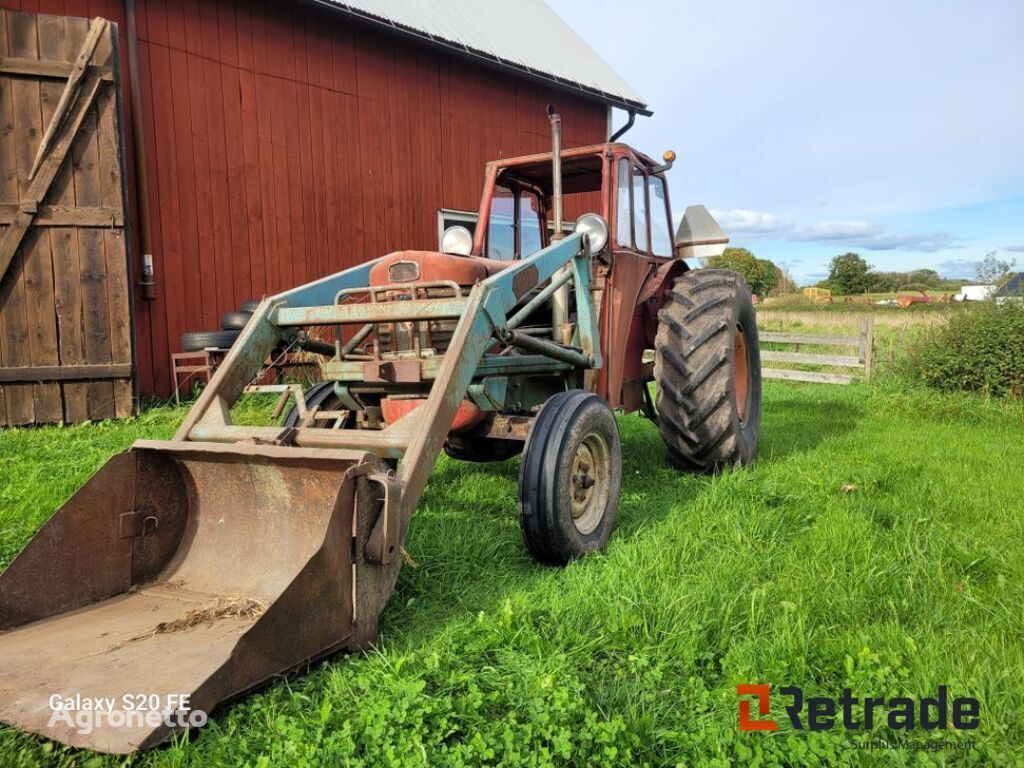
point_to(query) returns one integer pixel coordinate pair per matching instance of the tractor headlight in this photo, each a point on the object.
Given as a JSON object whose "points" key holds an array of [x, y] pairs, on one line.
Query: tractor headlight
{"points": [[595, 228], [457, 240]]}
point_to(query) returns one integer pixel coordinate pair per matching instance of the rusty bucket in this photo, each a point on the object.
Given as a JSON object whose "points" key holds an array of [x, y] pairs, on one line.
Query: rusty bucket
{"points": [[181, 576]]}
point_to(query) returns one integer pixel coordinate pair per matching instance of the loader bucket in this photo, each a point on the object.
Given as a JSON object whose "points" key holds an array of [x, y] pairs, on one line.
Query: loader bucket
{"points": [[185, 570]]}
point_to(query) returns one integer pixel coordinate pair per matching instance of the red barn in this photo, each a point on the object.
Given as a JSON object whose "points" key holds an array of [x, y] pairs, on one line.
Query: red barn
{"points": [[288, 140]]}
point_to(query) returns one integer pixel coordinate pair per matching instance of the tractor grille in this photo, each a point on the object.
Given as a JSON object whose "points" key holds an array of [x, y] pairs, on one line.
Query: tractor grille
{"points": [[436, 335], [433, 335]]}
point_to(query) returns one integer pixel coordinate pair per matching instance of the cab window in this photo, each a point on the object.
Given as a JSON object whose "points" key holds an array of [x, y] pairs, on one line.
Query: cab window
{"points": [[661, 234], [514, 226], [640, 209], [529, 232], [501, 227], [623, 206]]}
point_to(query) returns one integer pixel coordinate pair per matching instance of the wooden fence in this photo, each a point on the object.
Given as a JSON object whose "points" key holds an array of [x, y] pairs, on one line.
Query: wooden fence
{"points": [[862, 360]]}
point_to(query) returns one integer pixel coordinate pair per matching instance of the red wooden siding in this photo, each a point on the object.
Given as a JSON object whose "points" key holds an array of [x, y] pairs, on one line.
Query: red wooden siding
{"points": [[286, 142]]}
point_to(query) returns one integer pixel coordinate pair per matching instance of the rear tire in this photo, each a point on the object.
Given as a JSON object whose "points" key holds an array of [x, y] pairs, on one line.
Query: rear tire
{"points": [[707, 365], [320, 396], [570, 478], [481, 449]]}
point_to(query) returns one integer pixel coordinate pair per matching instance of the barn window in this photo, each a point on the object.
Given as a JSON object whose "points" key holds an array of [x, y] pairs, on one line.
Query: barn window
{"points": [[449, 217]]}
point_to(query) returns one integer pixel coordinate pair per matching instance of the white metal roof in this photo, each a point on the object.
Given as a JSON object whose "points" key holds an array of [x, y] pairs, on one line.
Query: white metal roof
{"points": [[521, 35]]}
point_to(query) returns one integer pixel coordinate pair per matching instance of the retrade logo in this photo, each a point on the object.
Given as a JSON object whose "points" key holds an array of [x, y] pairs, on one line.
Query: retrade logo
{"points": [[821, 713], [763, 707]]}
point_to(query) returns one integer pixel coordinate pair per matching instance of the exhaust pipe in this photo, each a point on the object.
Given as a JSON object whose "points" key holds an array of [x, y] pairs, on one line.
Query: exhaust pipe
{"points": [[556, 167], [560, 299]]}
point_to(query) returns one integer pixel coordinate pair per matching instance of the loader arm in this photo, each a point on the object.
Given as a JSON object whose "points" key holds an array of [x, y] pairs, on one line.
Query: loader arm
{"points": [[417, 439], [486, 316]]}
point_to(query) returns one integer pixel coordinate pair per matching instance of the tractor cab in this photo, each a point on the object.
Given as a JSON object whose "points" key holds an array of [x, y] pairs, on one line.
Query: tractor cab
{"points": [[619, 198], [624, 187]]}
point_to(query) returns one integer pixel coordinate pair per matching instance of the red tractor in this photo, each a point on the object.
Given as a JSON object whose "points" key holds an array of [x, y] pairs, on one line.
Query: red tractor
{"points": [[285, 539]]}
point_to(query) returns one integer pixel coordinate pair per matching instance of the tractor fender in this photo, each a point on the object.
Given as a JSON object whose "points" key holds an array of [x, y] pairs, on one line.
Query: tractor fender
{"points": [[652, 296], [661, 279]]}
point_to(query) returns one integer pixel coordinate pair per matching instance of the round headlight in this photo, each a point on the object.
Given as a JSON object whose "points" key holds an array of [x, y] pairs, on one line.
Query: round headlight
{"points": [[457, 240], [595, 228]]}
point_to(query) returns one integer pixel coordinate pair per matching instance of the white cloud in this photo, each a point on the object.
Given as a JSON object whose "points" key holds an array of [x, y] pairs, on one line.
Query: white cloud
{"points": [[829, 231], [741, 221], [925, 243], [864, 234]]}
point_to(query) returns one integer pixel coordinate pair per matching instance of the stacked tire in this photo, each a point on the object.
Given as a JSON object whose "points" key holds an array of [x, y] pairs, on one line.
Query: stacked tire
{"points": [[231, 325]]}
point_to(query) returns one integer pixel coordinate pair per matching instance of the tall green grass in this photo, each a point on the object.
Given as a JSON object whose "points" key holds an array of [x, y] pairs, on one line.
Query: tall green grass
{"points": [[911, 579]]}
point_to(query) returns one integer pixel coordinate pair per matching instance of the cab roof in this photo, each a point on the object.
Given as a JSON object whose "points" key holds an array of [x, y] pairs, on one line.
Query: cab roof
{"points": [[578, 163]]}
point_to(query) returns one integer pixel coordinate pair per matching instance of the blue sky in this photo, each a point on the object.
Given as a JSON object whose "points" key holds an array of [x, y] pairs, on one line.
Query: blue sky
{"points": [[894, 129]]}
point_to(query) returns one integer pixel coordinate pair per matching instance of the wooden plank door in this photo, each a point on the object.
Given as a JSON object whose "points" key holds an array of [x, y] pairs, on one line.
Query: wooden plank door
{"points": [[66, 352]]}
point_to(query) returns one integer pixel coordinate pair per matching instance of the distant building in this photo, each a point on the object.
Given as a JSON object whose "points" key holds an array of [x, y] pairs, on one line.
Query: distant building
{"points": [[1012, 289], [975, 293]]}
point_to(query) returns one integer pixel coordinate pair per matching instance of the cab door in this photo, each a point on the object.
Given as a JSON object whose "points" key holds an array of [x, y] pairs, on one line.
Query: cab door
{"points": [[641, 239]]}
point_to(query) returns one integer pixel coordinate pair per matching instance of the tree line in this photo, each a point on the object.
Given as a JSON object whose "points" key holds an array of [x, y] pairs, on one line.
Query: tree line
{"points": [[850, 274]]}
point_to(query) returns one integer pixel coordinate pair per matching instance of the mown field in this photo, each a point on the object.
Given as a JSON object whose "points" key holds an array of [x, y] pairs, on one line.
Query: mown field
{"points": [[877, 544]]}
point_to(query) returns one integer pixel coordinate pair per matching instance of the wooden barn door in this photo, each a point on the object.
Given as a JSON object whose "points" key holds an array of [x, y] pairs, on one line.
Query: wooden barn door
{"points": [[65, 318]]}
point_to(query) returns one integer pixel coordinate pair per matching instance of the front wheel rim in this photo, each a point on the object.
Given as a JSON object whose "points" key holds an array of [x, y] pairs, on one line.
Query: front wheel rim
{"points": [[590, 483]]}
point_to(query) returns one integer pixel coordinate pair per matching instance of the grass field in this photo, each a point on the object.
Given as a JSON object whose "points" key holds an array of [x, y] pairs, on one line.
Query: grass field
{"points": [[861, 303], [877, 544]]}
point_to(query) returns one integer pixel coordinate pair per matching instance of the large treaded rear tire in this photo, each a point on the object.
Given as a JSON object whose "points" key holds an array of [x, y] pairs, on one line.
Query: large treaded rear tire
{"points": [[707, 331]]}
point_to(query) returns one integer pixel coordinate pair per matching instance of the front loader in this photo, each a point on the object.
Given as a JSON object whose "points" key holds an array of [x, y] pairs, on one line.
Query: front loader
{"points": [[205, 565]]}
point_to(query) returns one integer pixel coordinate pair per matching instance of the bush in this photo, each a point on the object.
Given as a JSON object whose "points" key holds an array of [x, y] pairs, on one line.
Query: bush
{"points": [[980, 349]]}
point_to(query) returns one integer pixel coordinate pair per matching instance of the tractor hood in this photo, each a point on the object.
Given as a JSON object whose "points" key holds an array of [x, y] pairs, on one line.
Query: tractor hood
{"points": [[432, 266]]}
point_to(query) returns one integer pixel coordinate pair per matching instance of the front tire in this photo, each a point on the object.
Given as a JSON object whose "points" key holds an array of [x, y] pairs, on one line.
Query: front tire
{"points": [[707, 365], [569, 478]]}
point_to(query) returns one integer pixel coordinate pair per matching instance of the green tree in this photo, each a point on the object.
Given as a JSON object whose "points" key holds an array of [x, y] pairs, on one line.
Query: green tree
{"points": [[761, 274], [848, 274], [887, 282], [784, 284], [928, 277], [992, 270]]}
